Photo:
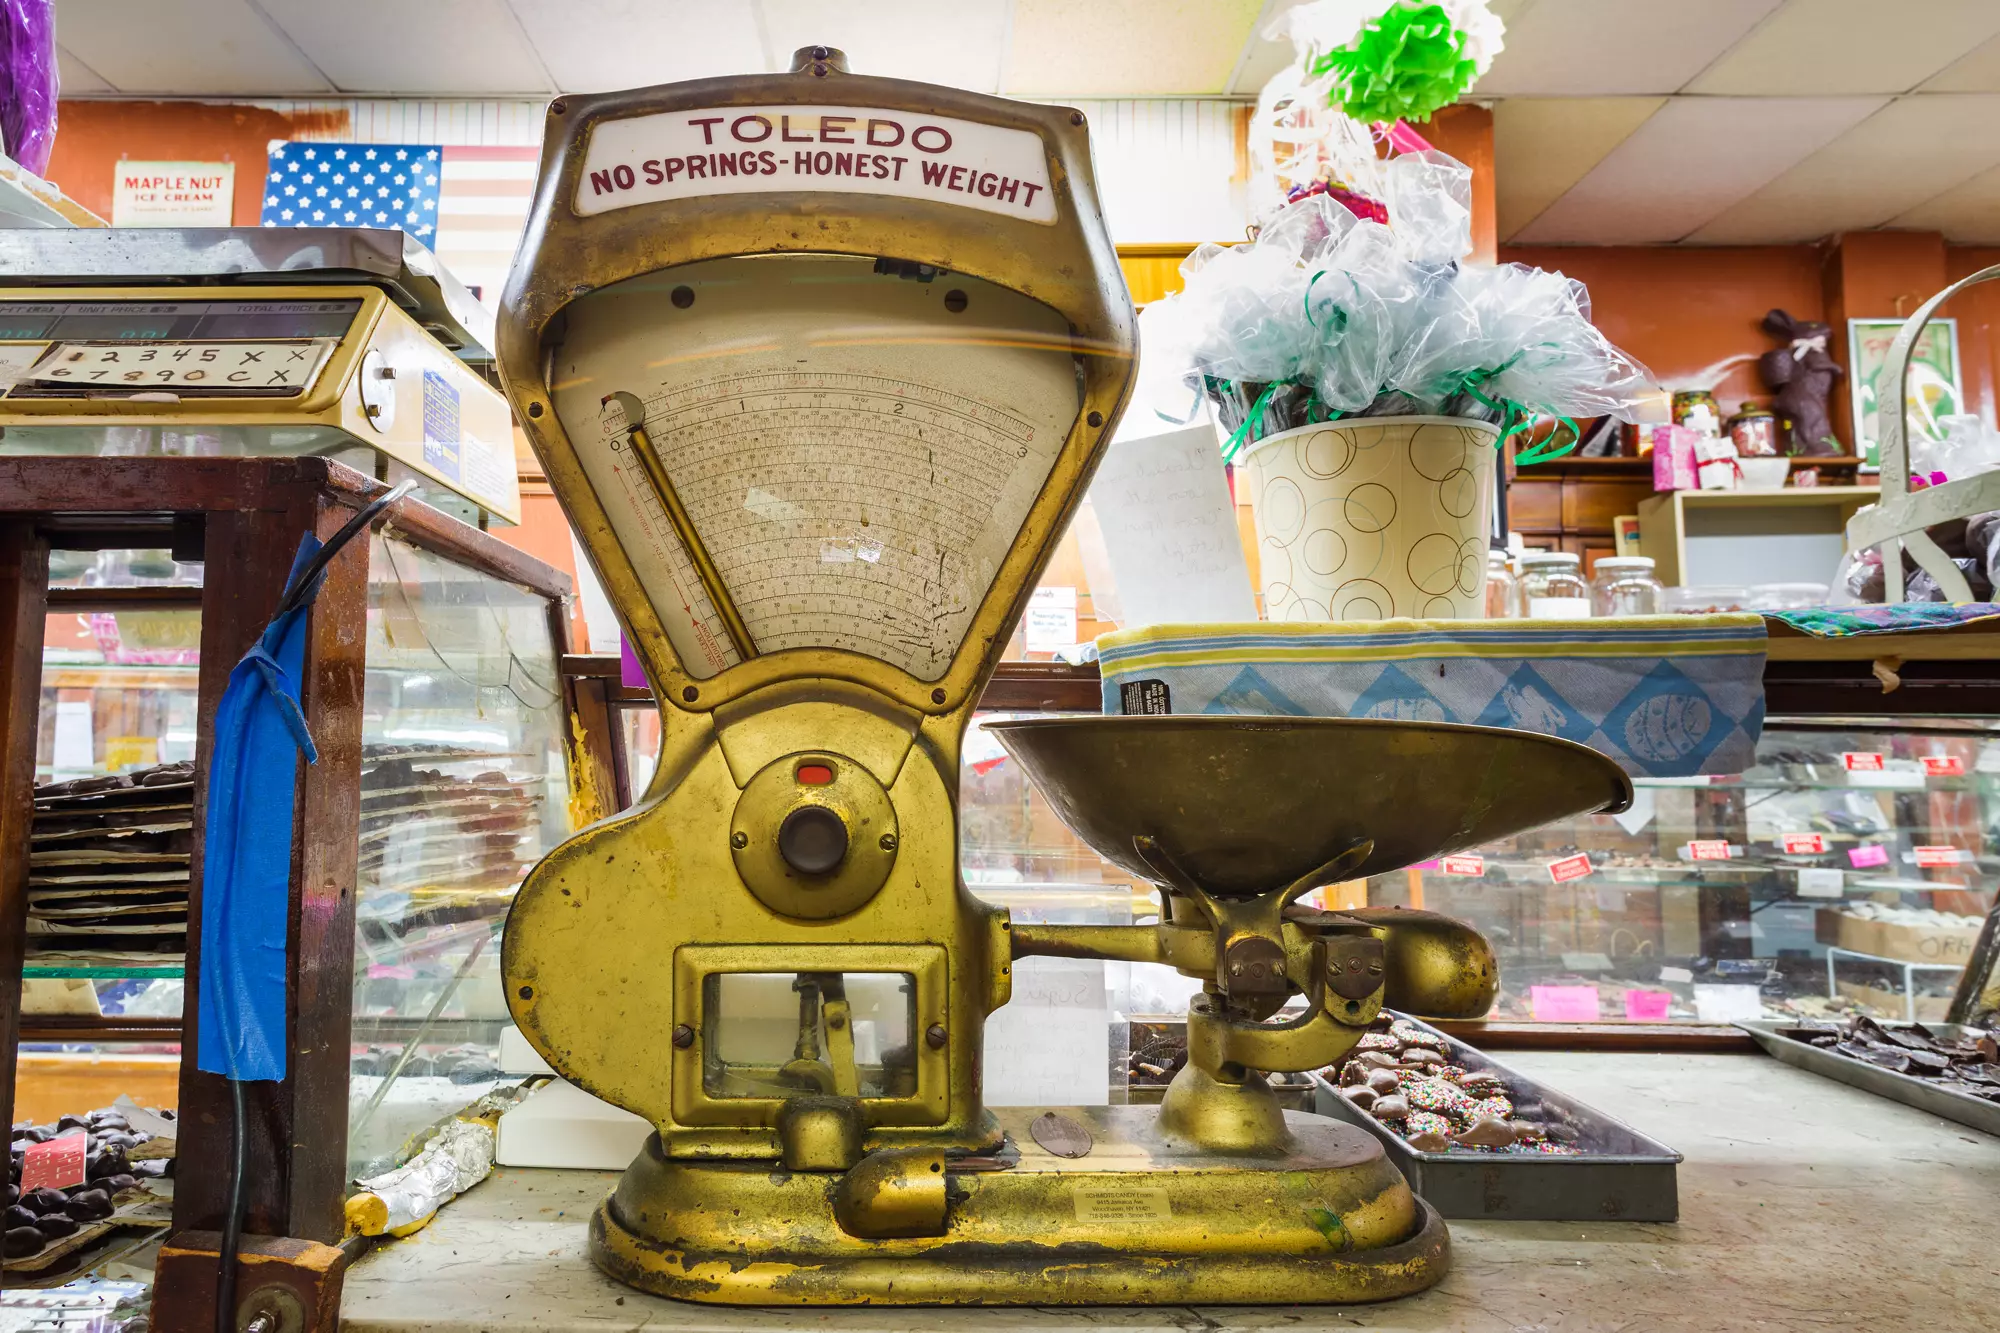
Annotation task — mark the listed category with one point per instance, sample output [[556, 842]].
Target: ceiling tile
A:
[[653, 43], [1696, 157], [1910, 151], [1978, 71], [1830, 47], [75, 78], [898, 39], [1262, 58], [1967, 214], [1544, 145], [1591, 47], [186, 48], [437, 48], [1125, 48]]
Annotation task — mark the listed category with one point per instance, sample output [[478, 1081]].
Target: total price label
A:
[[1861, 761], [1708, 849], [1802, 844], [1943, 766], [1570, 867], [1462, 865], [184, 365]]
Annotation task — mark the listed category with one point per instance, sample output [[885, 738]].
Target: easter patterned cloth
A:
[[1840, 622], [1664, 696]]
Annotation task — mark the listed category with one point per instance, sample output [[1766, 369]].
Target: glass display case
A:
[[1849, 869], [464, 787]]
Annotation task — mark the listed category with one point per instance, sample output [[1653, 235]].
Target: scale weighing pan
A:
[[1248, 804]]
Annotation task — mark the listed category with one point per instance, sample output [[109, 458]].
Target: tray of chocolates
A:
[[1942, 1068], [1478, 1140]]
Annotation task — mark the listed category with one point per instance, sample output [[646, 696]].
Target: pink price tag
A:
[[1802, 844], [1708, 849], [1861, 761], [1463, 865], [1943, 766], [1569, 868], [57, 1164], [1936, 856], [1868, 854], [1647, 1006], [1563, 1004]]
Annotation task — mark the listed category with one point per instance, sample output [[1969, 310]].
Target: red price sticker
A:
[[1943, 766], [1937, 856], [1862, 761], [1570, 867], [57, 1164], [1802, 844], [1708, 849], [1462, 865]]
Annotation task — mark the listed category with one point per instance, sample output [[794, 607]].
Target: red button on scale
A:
[[814, 775]]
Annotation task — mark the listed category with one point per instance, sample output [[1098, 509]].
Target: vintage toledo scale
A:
[[820, 365]]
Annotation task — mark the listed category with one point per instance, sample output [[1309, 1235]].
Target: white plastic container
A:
[[1373, 517]]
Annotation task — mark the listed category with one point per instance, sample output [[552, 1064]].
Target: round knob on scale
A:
[[813, 840]]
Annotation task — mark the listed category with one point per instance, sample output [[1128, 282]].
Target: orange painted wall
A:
[[1679, 310], [93, 137]]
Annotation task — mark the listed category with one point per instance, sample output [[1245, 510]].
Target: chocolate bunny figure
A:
[[1802, 375]]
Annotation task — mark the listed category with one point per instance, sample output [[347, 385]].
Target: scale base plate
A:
[[1137, 1221]]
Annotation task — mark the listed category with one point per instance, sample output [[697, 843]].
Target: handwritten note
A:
[[1170, 531], [1563, 1004], [1647, 1006], [1051, 1044]]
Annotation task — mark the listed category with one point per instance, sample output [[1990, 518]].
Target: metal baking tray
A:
[[1921, 1093], [1619, 1174]]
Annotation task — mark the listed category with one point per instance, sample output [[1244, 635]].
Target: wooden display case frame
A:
[[243, 519]]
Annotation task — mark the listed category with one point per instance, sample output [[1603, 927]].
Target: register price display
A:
[[857, 150], [240, 365]]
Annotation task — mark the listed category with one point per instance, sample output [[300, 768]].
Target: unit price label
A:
[[231, 365], [1462, 865], [1708, 849], [1861, 761], [1943, 766], [1802, 844], [1570, 867]]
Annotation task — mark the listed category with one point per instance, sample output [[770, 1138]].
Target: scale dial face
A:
[[855, 450]]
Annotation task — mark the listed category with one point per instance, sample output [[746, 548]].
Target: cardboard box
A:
[[1945, 946]]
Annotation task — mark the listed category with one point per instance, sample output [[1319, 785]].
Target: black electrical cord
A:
[[232, 1221], [297, 593]]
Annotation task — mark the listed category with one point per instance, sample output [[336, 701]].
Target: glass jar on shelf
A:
[[1625, 585], [1503, 589], [1552, 586]]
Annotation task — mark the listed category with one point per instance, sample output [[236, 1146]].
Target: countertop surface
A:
[[1805, 1205]]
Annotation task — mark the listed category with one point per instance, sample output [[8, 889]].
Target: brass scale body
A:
[[785, 1183]]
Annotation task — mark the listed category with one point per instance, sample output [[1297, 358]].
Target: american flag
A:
[[468, 204], [354, 185]]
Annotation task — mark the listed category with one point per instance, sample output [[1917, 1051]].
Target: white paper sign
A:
[[1050, 1045], [1050, 624], [1727, 1004], [74, 739], [850, 149], [1821, 883], [1170, 531], [173, 194]]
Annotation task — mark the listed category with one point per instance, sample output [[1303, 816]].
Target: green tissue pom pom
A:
[[1403, 66]]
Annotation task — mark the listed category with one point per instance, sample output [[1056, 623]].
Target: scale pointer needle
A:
[[677, 515]]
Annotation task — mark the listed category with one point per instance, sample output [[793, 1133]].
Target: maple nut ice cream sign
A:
[[859, 150]]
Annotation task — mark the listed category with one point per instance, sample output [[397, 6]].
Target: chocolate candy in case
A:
[[1606, 1171]]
